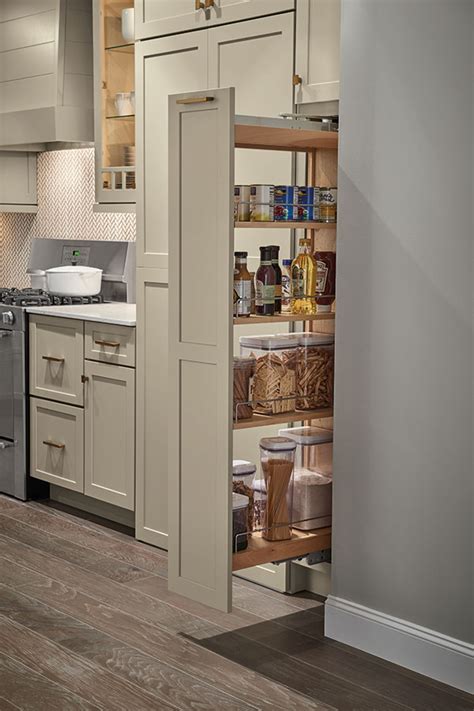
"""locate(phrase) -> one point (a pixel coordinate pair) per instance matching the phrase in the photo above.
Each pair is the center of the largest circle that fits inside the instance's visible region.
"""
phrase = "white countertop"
(118, 313)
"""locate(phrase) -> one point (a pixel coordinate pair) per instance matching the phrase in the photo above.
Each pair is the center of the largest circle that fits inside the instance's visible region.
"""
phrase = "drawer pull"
(56, 445)
(198, 5)
(195, 100)
(208, 4)
(111, 344)
(54, 359)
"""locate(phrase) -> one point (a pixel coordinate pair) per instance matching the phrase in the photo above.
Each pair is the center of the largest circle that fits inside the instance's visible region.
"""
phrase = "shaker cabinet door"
(200, 331)
(318, 28)
(109, 419)
(164, 66)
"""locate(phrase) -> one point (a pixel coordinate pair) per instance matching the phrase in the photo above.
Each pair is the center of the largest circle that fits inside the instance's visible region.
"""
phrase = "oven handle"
(5, 444)
(4, 334)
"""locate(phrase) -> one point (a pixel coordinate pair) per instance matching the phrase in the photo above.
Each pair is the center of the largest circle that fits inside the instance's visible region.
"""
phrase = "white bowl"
(74, 281)
(128, 24)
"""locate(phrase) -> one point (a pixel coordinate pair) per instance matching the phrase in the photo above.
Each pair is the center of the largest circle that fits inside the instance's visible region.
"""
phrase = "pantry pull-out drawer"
(109, 343)
(56, 359)
(57, 443)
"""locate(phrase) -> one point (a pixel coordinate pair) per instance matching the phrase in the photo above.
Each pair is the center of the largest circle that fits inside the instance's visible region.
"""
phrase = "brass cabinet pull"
(195, 100)
(199, 5)
(208, 4)
(56, 445)
(111, 344)
(297, 80)
(54, 359)
(84, 378)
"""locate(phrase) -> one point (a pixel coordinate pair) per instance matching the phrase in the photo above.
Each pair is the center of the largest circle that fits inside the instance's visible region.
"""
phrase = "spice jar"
(277, 459)
(315, 371)
(312, 477)
(243, 473)
(243, 370)
(240, 505)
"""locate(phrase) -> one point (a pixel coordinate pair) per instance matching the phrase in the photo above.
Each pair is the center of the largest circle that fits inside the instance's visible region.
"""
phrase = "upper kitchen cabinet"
(114, 88)
(318, 27)
(18, 181)
(154, 18)
(46, 88)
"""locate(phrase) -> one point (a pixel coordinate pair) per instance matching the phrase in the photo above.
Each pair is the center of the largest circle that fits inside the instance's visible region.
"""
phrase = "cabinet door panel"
(164, 67)
(109, 471)
(318, 27)
(17, 178)
(57, 443)
(200, 436)
(152, 407)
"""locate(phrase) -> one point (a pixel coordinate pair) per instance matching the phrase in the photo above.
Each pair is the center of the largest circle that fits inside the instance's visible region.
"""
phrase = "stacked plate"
(129, 160)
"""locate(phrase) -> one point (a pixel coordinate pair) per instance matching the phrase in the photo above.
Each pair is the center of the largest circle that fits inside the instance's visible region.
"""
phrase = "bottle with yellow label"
(303, 280)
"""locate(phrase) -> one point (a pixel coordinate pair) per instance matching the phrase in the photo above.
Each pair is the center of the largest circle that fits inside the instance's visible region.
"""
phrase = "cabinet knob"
(297, 79)
(84, 378)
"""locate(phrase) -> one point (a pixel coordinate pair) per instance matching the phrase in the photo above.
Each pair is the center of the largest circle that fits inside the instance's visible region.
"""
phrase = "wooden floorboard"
(86, 609)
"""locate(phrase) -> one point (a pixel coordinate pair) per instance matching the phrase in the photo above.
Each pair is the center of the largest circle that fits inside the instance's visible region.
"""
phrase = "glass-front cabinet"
(114, 81)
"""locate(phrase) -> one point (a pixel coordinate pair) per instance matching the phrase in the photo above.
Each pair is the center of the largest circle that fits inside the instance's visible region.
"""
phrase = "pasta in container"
(314, 371)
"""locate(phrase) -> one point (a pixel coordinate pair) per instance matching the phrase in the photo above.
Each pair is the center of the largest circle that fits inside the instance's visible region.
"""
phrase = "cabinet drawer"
(109, 343)
(56, 358)
(57, 443)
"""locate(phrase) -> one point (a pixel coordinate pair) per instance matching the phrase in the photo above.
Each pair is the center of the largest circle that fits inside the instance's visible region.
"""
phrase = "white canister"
(37, 279)
(128, 24)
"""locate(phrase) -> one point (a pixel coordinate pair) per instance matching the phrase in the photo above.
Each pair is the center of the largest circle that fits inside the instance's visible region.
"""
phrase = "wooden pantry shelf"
(301, 543)
(282, 417)
(281, 134)
(289, 225)
(282, 318)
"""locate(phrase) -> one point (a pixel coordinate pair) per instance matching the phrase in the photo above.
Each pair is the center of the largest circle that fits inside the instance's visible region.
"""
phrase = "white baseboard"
(420, 649)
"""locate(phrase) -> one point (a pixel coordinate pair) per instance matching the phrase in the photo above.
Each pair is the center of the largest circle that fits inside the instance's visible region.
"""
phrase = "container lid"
(270, 343)
(259, 485)
(244, 361)
(73, 270)
(307, 435)
(315, 339)
(307, 477)
(277, 444)
(239, 501)
(240, 467)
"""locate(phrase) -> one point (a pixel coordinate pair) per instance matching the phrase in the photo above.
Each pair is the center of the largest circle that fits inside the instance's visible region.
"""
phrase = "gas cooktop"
(37, 297)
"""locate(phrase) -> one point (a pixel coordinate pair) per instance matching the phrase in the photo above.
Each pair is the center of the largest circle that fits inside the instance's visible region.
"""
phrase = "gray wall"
(403, 459)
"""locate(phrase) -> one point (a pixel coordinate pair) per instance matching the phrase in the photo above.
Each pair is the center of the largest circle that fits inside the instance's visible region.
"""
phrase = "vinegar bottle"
(303, 280)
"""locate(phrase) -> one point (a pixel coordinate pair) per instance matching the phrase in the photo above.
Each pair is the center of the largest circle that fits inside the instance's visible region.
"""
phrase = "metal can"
(242, 203)
(327, 204)
(261, 203)
(284, 202)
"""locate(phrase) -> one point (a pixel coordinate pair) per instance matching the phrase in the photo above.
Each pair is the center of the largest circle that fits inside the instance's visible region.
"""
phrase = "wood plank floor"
(87, 622)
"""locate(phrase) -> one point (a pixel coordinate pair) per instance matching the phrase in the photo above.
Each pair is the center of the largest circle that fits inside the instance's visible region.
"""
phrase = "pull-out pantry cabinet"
(201, 426)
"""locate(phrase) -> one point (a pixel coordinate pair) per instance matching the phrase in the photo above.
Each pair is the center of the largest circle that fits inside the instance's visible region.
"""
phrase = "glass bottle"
(278, 276)
(265, 280)
(286, 286)
(303, 280)
(242, 286)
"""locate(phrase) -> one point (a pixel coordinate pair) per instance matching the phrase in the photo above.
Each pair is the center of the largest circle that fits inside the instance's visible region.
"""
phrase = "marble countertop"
(118, 313)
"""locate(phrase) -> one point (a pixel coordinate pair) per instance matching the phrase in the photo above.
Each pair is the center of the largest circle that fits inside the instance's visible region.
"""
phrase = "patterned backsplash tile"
(65, 200)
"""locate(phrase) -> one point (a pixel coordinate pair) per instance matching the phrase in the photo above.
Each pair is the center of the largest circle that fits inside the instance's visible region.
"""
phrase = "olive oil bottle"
(303, 280)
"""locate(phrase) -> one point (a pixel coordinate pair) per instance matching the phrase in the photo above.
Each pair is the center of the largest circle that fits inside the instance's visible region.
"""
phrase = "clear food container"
(273, 387)
(243, 371)
(240, 506)
(311, 505)
(243, 474)
(315, 371)
(277, 460)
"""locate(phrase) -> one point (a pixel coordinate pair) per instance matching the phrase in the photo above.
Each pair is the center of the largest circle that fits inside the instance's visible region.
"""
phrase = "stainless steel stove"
(117, 259)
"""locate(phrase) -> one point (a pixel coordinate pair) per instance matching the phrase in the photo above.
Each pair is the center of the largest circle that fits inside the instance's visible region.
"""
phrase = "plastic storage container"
(243, 474)
(311, 505)
(240, 506)
(315, 371)
(277, 460)
(243, 371)
(274, 382)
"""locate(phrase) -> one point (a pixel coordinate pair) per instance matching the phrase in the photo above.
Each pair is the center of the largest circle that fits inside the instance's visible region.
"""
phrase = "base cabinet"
(109, 463)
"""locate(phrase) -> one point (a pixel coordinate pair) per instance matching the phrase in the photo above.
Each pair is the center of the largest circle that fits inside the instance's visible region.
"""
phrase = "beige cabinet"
(57, 443)
(109, 343)
(154, 18)
(318, 27)
(109, 418)
(56, 359)
(152, 410)
(18, 182)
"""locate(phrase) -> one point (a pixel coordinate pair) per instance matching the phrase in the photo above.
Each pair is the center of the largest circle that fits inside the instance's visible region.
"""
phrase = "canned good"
(304, 195)
(242, 203)
(327, 204)
(261, 212)
(262, 194)
(304, 213)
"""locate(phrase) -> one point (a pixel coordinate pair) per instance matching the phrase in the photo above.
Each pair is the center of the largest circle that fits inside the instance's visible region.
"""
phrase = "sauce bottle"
(303, 280)
(265, 281)
(242, 286)
(325, 280)
(278, 276)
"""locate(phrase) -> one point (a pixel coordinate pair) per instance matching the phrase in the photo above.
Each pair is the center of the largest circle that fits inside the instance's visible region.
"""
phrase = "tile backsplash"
(65, 200)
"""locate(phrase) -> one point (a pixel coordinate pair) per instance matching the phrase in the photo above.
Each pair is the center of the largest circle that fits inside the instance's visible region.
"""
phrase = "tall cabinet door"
(200, 330)
(318, 29)
(163, 66)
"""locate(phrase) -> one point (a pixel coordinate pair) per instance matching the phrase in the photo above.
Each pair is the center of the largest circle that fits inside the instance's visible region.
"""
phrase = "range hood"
(46, 74)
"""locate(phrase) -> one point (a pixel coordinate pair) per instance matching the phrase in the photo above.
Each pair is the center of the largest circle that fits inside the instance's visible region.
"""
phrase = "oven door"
(12, 414)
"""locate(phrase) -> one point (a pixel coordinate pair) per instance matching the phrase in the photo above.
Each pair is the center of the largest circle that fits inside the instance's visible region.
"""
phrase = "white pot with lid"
(74, 280)
(37, 279)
